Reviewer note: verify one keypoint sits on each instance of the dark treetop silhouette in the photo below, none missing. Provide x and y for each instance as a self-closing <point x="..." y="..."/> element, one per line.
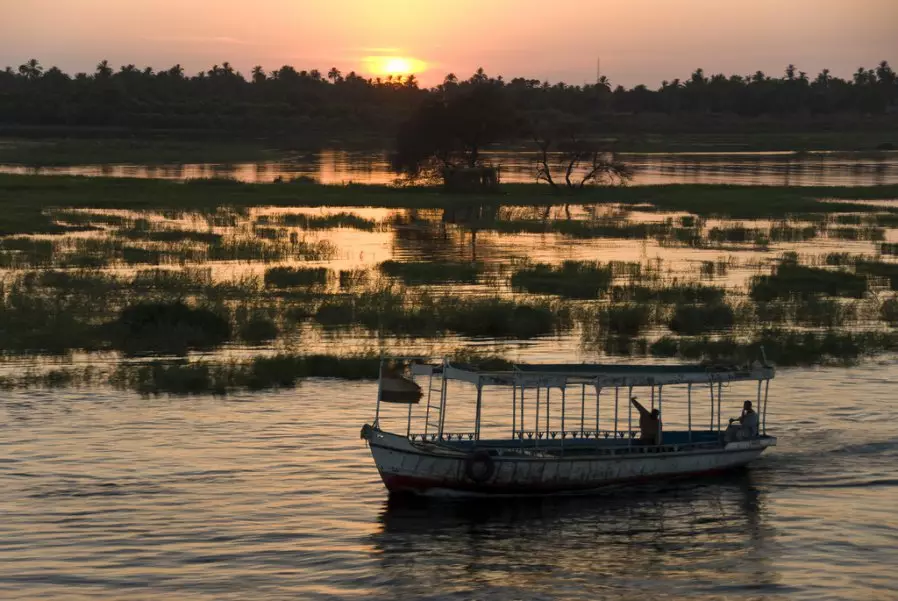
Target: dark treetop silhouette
<point x="287" y="101"/>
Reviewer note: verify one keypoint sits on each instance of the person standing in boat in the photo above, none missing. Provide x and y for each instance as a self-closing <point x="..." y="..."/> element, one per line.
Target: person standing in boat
<point x="649" y="424"/>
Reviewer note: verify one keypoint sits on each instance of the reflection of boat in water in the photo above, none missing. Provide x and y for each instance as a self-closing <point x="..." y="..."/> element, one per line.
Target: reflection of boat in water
<point x="570" y="451"/>
<point x="673" y="541"/>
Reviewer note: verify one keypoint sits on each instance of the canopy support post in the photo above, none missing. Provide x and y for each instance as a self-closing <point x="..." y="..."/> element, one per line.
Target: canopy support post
<point x="514" y="409"/>
<point x="536" y="421"/>
<point x="630" y="417"/>
<point x="616" y="394"/>
<point x="764" y="412"/>
<point x="711" y="387"/>
<point x="689" y="411"/>
<point x="582" y="407"/>
<point x="660" y="422"/>
<point x="479" y="405"/>
<point x="563" y="394"/>
<point x="380" y="377"/>
<point x="719" y="394"/>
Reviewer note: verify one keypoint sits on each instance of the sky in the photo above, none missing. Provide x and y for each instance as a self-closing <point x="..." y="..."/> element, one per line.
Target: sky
<point x="633" y="41"/>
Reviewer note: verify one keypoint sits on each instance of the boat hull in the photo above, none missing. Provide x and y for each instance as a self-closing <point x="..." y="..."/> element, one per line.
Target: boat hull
<point x="408" y="467"/>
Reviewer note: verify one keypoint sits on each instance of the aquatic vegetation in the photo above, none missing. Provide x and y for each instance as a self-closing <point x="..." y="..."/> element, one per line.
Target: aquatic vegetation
<point x="259" y="373"/>
<point x="432" y="272"/>
<point x="790" y="280"/>
<point x="879" y="269"/>
<point x="290" y="277"/>
<point x="673" y="294"/>
<point x="783" y="347"/>
<point x="889" y="311"/>
<point x="250" y="249"/>
<point x="391" y="311"/>
<point x="691" y="320"/>
<point x="169" y="328"/>
<point x="572" y="279"/>
<point x="888" y="248"/>
<point x="258" y="330"/>
<point x="170" y="235"/>
<point x="353" y="278"/>
<point x="326" y="222"/>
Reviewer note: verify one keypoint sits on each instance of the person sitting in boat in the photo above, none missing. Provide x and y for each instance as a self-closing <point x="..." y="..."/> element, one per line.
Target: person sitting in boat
<point x="649" y="424"/>
<point x="745" y="426"/>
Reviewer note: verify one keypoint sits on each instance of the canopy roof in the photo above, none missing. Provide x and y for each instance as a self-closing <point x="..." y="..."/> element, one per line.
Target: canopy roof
<point x="561" y="374"/>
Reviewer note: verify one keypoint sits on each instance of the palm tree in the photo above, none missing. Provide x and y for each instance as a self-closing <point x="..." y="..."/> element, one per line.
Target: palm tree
<point x="258" y="74"/>
<point x="104" y="71"/>
<point x="334" y="75"/>
<point x="31" y="70"/>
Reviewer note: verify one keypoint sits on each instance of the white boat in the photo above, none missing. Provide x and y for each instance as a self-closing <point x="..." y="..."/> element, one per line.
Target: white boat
<point x="571" y="430"/>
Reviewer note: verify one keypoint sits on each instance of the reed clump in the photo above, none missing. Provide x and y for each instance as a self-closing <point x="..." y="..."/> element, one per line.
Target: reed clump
<point x="432" y="272"/>
<point x="571" y="279"/>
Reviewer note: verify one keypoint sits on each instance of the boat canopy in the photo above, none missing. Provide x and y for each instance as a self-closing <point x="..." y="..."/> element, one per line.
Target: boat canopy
<point x="602" y="375"/>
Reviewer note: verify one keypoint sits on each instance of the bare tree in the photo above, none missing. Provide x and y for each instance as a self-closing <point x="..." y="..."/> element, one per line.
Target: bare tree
<point x="568" y="159"/>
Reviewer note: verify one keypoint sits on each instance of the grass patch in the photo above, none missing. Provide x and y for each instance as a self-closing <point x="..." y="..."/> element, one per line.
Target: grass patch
<point x="675" y="294"/>
<point x="167" y="328"/>
<point x="293" y="277"/>
<point x="691" y="320"/>
<point x="325" y="222"/>
<point x="790" y="280"/>
<point x="572" y="279"/>
<point x="432" y="272"/>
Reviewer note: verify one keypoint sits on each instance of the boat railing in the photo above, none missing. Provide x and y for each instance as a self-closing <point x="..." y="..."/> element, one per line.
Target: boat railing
<point x="444" y="437"/>
<point x="576" y="434"/>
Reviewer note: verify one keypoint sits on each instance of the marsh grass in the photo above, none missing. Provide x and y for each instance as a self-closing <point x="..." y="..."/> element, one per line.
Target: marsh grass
<point x="432" y="272"/>
<point x="326" y="222"/>
<point x="571" y="279"/>
<point x="790" y="280"/>
<point x="783" y="347"/>
<point x="879" y="269"/>
<point x="397" y="312"/>
<point x="282" y="371"/>
<point x="691" y="320"/>
<point x="292" y="277"/>
<point x="167" y="328"/>
<point x="250" y="249"/>
<point x="170" y="236"/>
<point x="673" y="294"/>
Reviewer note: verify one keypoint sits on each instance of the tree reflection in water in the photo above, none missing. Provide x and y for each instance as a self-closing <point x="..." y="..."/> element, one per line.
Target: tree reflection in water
<point x="670" y="541"/>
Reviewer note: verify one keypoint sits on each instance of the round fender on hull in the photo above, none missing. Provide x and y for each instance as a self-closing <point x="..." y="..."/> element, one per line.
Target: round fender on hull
<point x="479" y="466"/>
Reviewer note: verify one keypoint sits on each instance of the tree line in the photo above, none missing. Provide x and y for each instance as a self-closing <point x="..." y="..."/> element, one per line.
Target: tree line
<point x="267" y="102"/>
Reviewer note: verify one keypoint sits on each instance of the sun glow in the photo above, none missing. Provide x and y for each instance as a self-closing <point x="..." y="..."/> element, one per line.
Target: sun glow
<point x="397" y="66"/>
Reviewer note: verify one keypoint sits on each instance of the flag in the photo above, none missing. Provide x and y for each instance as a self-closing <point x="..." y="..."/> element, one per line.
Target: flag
<point x="396" y="388"/>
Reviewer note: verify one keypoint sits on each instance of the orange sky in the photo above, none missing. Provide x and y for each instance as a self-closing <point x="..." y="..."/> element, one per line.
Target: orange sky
<point x="639" y="41"/>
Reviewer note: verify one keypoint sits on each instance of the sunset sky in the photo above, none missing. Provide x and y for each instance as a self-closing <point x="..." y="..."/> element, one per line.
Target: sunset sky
<point x="639" y="41"/>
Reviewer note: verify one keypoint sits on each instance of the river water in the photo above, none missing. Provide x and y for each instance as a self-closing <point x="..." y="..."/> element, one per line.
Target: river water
<point x="107" y="495"/>
<point x="365" y="167"/>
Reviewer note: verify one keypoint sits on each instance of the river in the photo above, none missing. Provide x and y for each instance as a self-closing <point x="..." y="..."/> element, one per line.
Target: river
<point x="365" y="167"/>
<point x="107" y="495"/>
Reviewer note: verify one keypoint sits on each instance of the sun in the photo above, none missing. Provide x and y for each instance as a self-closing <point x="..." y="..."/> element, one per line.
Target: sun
<point x="397" y="66"/>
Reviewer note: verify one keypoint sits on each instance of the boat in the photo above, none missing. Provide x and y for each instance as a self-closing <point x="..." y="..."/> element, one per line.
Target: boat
<point x="571" y="428"/>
